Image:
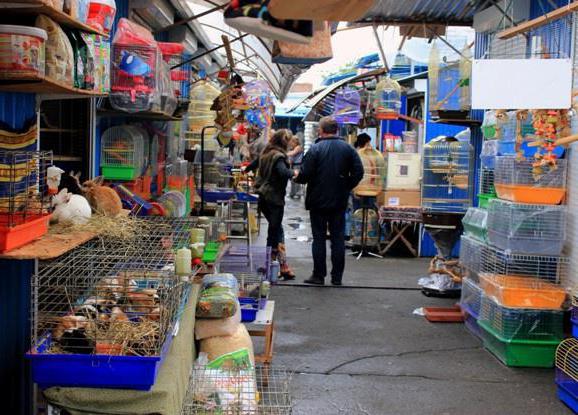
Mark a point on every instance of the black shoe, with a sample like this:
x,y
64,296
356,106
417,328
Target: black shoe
x,y
333,282
314,281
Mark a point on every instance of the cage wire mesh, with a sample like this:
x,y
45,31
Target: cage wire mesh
x,y
471,297
23,186
111,296
566,361
510,171
262,390
122,152
530,229
522,324
486,182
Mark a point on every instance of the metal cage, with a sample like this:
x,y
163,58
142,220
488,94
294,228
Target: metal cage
x,y
122,152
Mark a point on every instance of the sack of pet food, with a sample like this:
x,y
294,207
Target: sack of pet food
x,y
59,54
218,298
217,327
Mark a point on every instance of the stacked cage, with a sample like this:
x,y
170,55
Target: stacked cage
x,y
24,200
180,73
122,152
104,314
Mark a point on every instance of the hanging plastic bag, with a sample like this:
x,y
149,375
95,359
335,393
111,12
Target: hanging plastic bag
x,y
318,51
332,10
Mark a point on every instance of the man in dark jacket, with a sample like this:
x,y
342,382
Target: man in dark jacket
x,y
331,169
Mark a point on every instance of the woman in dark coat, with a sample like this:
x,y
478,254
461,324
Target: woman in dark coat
x,y
271,185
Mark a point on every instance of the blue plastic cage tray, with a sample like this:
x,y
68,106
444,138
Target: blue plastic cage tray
x,y
218,195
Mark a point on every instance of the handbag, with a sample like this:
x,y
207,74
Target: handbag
x,y
318,51
331,10
252,16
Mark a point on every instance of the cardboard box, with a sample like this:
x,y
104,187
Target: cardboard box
x,y
399,198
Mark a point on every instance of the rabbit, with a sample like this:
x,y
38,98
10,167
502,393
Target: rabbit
x,y
71,182
70,208
103,199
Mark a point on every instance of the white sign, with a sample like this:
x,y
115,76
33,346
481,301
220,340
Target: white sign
x,y
521,84
393,201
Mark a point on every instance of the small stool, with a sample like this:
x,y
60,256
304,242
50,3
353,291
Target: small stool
x,y
264,326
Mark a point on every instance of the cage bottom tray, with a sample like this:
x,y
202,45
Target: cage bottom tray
x,y
118,173
519,353
19,235
531,194
94,371
567,397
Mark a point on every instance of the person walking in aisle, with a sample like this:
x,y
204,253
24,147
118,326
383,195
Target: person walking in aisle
x,y
295,155
270,185
331,169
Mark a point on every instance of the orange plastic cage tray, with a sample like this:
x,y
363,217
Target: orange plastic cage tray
x,y
522,292
19,235
531,194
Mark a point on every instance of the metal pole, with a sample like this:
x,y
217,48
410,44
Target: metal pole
x,y
200,55
380,46
190,19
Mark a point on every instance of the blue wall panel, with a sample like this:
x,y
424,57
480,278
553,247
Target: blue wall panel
x,y
17,109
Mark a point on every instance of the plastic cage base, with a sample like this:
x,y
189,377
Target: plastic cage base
x,y
567,398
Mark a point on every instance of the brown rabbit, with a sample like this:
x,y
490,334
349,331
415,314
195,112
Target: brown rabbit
x,y
102,199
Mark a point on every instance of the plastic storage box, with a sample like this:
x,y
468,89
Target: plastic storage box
x,y
471,298
524,228
249,308
522,324
522,292
521,353
475,223
517,181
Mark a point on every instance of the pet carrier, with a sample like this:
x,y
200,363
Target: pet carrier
x,y
447,169
238,390
487,190
122,153
347,109
203,93
24,200
387,99
522,292
449,79
471,298
173,54
104,314
530,229
521,324
135,67
520,181
374,169
475,223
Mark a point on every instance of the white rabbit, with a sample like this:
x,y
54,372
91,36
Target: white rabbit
x,y
70,208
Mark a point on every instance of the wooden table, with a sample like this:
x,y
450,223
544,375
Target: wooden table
x,y
264,326
50,246
400,218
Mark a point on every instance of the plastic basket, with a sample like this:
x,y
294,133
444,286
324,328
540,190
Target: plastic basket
x,y
471,298
519,353
211,252
475,223
522,292
530,229
516,181
12,237
522,324
249,308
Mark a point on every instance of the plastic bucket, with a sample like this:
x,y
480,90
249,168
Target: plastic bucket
x,y
101,15
22,51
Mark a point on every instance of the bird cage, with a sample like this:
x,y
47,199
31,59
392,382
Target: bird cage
x,y
475,223
471,297
522,292
524,228
524,182
203,93
566,362
375,169
447,184
387,99
347,109
450,70
107,311
24,201
173,54
122,153
135,67
521,324
241,390
168,99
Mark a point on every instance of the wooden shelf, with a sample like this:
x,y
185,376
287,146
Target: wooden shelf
x,y
538,21
50,246
146,115
40,85
464,122
36,7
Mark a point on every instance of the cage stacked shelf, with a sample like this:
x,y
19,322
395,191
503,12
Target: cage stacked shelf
x,y
525,228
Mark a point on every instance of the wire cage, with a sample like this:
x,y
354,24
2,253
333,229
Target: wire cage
x,y
524,228
478,257
488,154
566,362
374,172
347,109
387,99
521,324
520,181
234,260
447,176
475,223
262,390
24,201
471,297
122,152
103,314
173,54
450,69
486,189
168,99
522,292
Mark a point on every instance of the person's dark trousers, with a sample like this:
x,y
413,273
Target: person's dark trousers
x,y
274,216
321,221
